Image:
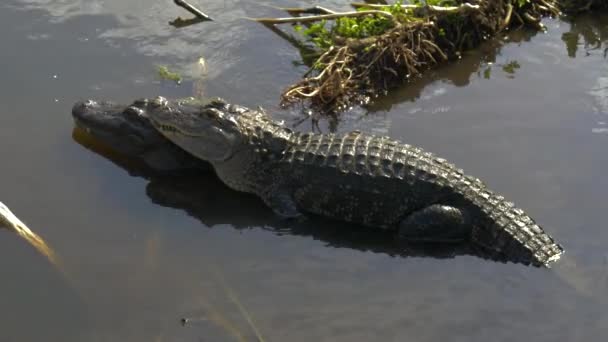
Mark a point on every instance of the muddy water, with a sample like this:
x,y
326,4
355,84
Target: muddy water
x,y
527,114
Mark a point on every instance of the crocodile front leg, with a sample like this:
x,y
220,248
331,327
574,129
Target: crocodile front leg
x,y
281,202
437,223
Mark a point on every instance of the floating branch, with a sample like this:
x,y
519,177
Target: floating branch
x,y
179,22
310,10
12,222
321,17
421,9
190,8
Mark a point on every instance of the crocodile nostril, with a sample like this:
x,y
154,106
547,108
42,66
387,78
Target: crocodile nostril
x,y
82,107
89,103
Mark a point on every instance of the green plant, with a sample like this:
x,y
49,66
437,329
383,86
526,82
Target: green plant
x,y
435,2
322,34
510,67
521,3
165,74
318,34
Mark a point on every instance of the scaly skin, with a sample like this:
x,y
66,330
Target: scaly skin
x,y
359,178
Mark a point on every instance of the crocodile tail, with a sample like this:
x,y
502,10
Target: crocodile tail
x,y
515,237
504,232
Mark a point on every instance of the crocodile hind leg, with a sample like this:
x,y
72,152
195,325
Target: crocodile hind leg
x,y
439,223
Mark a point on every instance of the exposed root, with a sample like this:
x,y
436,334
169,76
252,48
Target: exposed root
x,y
507,19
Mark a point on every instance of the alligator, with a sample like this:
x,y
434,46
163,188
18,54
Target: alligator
x,y
364,179
209,201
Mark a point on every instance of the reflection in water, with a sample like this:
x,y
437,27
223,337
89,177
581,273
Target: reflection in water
x,y
593,32
145,25
479,62
10,221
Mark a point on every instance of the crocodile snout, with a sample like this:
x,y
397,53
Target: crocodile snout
x,y
80,108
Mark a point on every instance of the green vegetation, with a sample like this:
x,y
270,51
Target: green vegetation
x,y
317,33
165,74
510,67
323,35
521,3
443,3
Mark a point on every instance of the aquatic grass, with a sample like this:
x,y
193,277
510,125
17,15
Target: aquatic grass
x,y
322,35
222,321
165,74
235,300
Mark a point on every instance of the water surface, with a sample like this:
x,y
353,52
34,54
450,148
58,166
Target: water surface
x,y
528,114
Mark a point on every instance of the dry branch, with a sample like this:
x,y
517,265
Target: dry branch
x,y
425,8
190,8
314,18
10,221
310,10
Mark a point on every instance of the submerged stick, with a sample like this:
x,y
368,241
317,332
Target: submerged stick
x,y
320,17
190,8
179,22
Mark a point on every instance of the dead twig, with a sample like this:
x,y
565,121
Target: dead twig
x,y
425,8
309,10
190,8
313,18
12,222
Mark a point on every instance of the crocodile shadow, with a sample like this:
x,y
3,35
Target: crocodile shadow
x,y
203,196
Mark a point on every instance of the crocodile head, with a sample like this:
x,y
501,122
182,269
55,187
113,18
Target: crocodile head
x,y
124,128
210,132
127,130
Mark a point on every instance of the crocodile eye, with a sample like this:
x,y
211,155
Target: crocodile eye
x,y
133,111
217,102
141,103
214,114
159,101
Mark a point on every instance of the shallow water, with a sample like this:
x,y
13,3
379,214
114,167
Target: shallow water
x,y
527,114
